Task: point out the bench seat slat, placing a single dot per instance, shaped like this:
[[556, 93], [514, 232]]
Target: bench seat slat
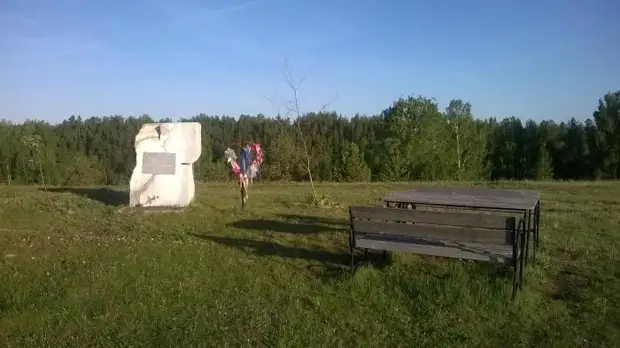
[[450, 218], [470, 251], [459, 234]]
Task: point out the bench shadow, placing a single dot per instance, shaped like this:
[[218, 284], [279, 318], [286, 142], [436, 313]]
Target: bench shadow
[[315, 220], [264, 248], [104, 195], [282, 226], [327, 264]]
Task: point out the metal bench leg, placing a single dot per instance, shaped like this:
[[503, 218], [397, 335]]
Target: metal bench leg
[[529, 235], [534, 245], [516, 249], [528, 238], [366, 256], [352, 242], [534, 234], [522, 260], [515, 276], [537, 227]]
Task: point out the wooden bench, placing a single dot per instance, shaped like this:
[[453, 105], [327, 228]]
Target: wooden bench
[[465, 235]]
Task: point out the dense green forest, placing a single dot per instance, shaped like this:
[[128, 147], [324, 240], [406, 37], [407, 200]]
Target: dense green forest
[[411, 140]]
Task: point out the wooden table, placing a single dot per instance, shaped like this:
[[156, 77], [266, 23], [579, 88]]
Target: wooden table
[[478, 198]]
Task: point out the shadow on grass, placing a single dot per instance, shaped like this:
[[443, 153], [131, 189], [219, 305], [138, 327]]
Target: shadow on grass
[[103, 195], [282, 226], [569, 287], [263, 248], [326, 257], [315, 220]]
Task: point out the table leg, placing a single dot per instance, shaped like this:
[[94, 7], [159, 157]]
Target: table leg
[[529, 236], [524, 247], [537, 224]]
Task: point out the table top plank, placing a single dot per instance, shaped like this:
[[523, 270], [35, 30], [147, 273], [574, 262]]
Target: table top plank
[[482, 197]]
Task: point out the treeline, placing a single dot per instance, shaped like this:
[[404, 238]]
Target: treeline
[[411, 140]]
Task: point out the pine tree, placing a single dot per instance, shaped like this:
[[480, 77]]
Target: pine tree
[[544, 166], [353, 166], [393, 164]]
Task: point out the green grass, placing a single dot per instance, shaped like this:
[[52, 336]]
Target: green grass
[[75, 272]]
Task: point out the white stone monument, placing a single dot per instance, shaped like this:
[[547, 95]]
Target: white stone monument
[[164, 173]]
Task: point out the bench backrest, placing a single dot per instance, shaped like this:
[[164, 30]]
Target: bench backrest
[[439, 225]]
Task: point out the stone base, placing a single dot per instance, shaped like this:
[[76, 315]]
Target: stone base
[[158, 209], [152, 210]]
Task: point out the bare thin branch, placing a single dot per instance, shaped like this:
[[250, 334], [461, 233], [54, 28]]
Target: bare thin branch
[[273, 105], [326, 105]]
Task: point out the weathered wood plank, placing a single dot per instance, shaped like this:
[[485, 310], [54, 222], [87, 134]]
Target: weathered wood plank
[[460, 197], [460, 209], [434, 217], [479, 191], [447, 249], [468, 197], [455, 233]]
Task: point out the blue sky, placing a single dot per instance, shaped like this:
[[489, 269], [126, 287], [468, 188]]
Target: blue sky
[[545, 59]]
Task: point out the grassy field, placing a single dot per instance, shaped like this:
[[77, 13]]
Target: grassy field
[[80, 272]]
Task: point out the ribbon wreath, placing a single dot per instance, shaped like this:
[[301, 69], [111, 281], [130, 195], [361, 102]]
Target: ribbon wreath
[[251, 158]]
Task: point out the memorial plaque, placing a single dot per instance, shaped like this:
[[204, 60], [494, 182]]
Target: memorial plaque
[[160, 148], [159, 163]]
